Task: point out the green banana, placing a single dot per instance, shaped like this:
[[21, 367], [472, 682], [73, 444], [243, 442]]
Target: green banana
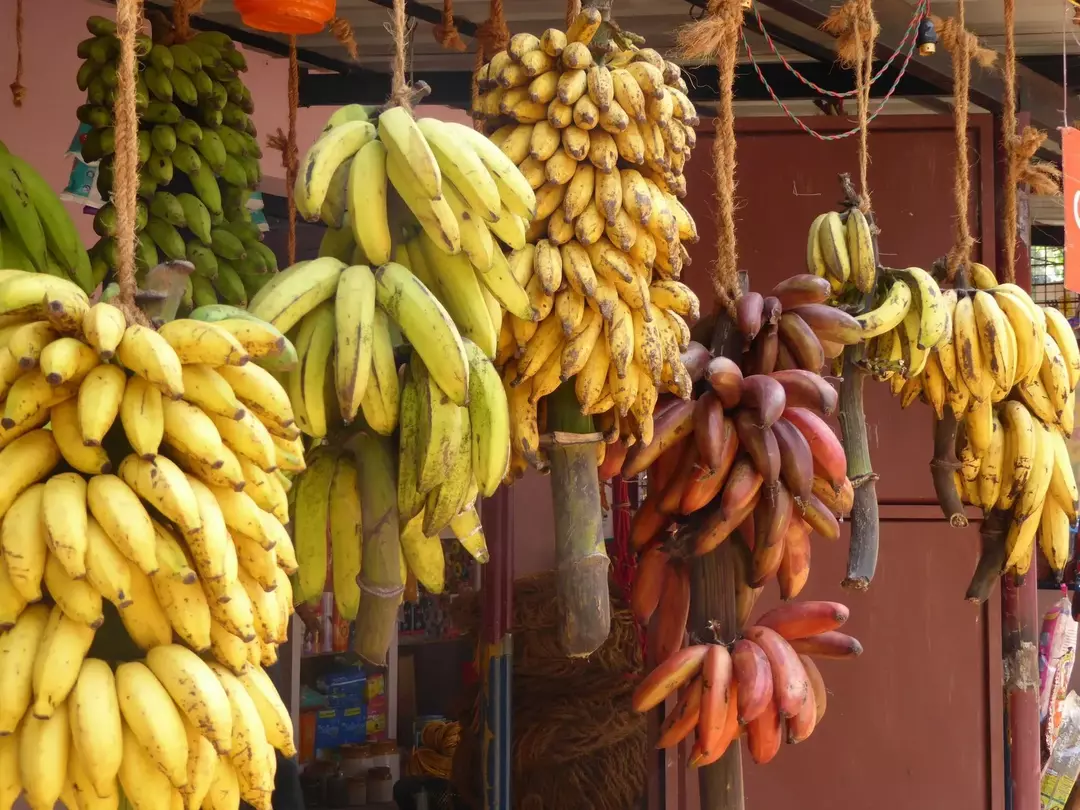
[[163, 138], [212, 150], [167, 238], [226, 245], [229, 284], [189, 132], [203, 258], [206, 188], [184, 88], [186, 158], [19, 213], [196, 216], [166, 206]]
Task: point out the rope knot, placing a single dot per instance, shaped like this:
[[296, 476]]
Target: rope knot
[[446, 32], [716, 31], [18, 93], [955, 38], [343, 32], [182, 11], [1042, 178], [855, 29]]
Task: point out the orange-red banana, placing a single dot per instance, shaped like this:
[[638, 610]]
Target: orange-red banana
[[725, 377], [750, 669], [648, 584], [668, 676], [760, 443], [802, 619], [613, 460], [824, 444], [796, 460], [716, 689], [790, 685], [684, 474], [828, 645], [764, 395], [682, 719], [648, 521], [820, 518], [795, 566], [807, 389], [838, 501], [669, 624], [802, 724], [709, 429], [698, 756], [764, 733], [741, 493], [668, 428], [817, 686], [771, 520]]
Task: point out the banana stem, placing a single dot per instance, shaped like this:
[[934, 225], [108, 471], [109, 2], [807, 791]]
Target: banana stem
[[865, 531], [992, 557], [581, 559], [942, 468]]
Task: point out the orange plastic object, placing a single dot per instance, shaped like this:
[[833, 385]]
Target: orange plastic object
[[286, 16]]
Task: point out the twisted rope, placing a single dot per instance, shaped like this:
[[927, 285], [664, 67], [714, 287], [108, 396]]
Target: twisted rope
[[343, 32], [286, 144], [182, 11], [446, 32], [493, 35], [18, 92], [399, 86]]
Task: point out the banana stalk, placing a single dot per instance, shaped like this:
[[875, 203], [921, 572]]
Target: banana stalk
[[943, 465], [582, 562], [381, 583], [993, 532]]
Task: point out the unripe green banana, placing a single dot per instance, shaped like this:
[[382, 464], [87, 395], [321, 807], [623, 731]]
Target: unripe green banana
[[163, 138], [203, 258]]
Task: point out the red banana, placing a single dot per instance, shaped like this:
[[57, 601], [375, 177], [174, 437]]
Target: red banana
[[764, 394], [831, 348], [710, 432], [745, 595], [685, 472], [664, 468], [716, 677], [771, 519], [750, 669], [828, 645], [807, 389], [671, 426], [790, 685], [771, 310], [729, 733], [802, 289], [785, 361], [669, 624], [760, 444], [819, 517], [672, 674], [802, 619], [817, 686], [648, 522], [704, 485], [761, 358], [795, 566], [830, 323], [764, 734], [801, 341], [748, 314], [796, 461], [741, 493], [801, 726], [824, 443], [682, 719], [839, 501], [648, 584], [695, 359], [613, 460], [747, 533], [725, 377]]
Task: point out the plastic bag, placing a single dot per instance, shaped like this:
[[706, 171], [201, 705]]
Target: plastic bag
[[1059, 774], [1057, 648]]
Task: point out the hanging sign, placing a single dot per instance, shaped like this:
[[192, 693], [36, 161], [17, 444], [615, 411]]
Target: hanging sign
[[1070, 148]]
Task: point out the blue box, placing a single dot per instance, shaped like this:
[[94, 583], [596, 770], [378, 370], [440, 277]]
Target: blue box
[[352, 723], [327, 729], [344, 690]]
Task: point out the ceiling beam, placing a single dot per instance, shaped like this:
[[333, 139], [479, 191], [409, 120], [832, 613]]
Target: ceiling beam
[[431, 15], [1036, 94], [454, 88]]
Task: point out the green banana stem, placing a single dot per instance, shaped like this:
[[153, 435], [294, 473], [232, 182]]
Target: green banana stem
[[581, 559]]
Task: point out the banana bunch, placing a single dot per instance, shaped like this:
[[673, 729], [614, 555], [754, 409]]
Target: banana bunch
[[198, 161], [36, 233], [162, 731], [446, 408], [602, 139], [751, 458], [768, 682]]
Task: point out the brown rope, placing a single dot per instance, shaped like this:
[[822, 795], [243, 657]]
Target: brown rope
[[182, 11], [717, 35], [963, 47], [399, 86], [477, 119], [126, 185], [493, 35], [446, 33], [1008, 126], [573, 8], [343, 32], [286, 144], [18, 92]]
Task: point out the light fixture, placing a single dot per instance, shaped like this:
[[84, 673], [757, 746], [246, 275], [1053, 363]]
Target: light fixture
[[927, 37]]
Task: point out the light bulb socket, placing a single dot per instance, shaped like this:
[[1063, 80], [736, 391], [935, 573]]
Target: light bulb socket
[[926, 39]]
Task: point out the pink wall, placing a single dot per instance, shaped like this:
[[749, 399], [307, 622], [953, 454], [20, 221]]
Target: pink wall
[[41, 130]]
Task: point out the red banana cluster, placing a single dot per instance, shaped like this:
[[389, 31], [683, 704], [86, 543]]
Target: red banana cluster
[[766, 683]]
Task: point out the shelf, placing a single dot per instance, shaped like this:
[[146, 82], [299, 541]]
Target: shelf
[[424, 641]]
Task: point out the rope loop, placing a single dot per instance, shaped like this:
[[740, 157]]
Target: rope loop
[[446, 32], [18, 91]]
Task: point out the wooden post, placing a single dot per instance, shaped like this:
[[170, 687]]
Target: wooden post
[[497, 651], [713, 610]]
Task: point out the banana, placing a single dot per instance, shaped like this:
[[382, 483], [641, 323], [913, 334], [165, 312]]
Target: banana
[[1063, 481], [248, 437], [990, 328], [345, 521], [463, 168], [461, 295], [433, 213], [1054, 536], [424, 555], [44, 744], [427, 326], [164, 486], [29, 397], [22, 296], [1054, 375], [195, 690], [832, 240], [142, 416], [251, 756], [889, 314], [201, 342], [149, 712], [440, 427], [311, 512], [860, 249], [96, 726], [1058, 327], [18, 210], [490, 422], [271, 709], [1026, 331], [147, 354], [19, 648], [23, 540], [27, 342], [317, 169], [63, 646], [120, 514], [260, 391], [514, 191], [367, 202], [381, 399], [145, 786], [100, 397], [65, 426], [296, 291], [448, 496], [405, 142]]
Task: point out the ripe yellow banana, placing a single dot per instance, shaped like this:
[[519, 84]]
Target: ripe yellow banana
[[43, 756], [104, 326], [194, 688], [96, 726], [63, 646], [107, 570], [367, 202], [144, 619], [147, 354], [18, 651]]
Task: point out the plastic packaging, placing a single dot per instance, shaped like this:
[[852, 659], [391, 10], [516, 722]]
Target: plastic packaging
[[1057, 648], [286, 16], [1059, 774]]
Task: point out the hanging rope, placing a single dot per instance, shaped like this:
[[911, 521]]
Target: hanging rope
[[18, 92], [286, 144], [399, 86], [493, 35], [446, 33], [182, 11], [126, 185], [343, 32], [963, 47], [717, 35]]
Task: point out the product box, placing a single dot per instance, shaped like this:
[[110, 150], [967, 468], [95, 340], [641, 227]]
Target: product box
[[376, 686], [327, 729], [307, 736], [344, 689], [353, 725], [376, 725]]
